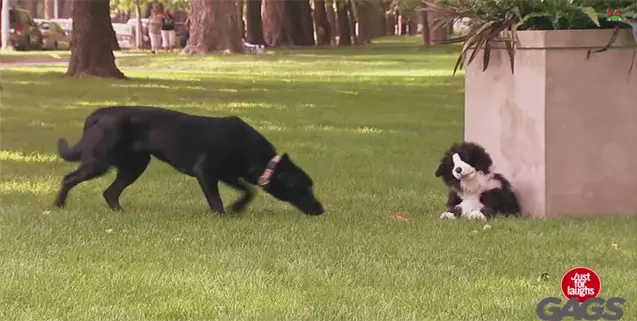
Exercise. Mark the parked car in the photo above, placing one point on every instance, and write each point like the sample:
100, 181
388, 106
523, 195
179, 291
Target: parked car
66, 24
24, 33
145, 39
53, 36
125, 36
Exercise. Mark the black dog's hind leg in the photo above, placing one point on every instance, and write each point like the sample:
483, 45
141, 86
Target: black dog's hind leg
129, 168
246, 198
85, 172
209, 186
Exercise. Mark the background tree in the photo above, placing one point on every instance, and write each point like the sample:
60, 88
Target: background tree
367, 14
322, 24
254, 24
66, 8
426, 32
342, 17
331, 18
240, 5
214, 26
277, 28
300, 14
91, 49
49, 12
351, 12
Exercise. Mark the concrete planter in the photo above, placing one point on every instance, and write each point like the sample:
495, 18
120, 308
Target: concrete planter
562, 128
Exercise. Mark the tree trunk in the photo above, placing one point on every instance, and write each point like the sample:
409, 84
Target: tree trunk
276, 24
91, 49
254, 24
353, 21
345, 37
300, 14
363, 17
426, 31
240, 13
331, 18
323, 30
215, 26
66, 10
412, 27
437, 34
49, 12
390, 24
402, 25
139, 34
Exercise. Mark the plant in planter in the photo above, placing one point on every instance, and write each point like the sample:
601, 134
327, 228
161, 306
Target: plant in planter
557, 115
491, 18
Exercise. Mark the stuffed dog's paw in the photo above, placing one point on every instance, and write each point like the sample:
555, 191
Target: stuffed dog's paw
447, 216
475, 215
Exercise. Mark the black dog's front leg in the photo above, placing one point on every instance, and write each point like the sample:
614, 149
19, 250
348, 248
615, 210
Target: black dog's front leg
210, 189
244, 200
209, 186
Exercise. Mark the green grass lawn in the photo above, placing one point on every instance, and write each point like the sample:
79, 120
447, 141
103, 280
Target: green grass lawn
368, 124
12, 56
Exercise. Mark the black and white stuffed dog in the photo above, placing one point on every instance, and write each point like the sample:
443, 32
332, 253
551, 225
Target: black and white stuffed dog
475, 192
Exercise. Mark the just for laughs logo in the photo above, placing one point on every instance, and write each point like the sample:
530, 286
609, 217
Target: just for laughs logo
581, 286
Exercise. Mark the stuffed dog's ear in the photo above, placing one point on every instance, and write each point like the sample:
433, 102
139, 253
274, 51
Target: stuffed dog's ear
440, 170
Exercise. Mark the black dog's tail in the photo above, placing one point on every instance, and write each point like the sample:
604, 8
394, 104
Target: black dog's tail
69, 154
74, 154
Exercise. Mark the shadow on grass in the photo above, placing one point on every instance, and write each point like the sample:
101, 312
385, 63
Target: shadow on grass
41, 106
233, 95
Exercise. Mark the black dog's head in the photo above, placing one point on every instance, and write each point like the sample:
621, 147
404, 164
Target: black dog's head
288, 182
461, 161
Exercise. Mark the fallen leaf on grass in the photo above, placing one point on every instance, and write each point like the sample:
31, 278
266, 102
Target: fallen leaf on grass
46, 212
543, 277
400, 217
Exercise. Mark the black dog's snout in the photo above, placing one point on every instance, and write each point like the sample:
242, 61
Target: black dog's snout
458, 170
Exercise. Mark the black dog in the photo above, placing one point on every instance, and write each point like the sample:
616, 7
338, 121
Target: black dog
210, 149
474, 191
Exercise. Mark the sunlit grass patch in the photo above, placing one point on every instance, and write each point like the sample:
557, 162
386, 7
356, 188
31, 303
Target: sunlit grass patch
17, 156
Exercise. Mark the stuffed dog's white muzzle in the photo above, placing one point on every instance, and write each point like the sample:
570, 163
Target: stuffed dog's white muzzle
460, 168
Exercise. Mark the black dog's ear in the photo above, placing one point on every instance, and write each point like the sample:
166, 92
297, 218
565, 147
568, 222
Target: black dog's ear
440, 170
285, 158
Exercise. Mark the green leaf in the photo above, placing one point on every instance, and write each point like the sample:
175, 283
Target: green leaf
591, 13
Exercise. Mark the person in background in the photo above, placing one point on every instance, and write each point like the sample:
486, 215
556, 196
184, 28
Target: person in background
155, 23
168, 31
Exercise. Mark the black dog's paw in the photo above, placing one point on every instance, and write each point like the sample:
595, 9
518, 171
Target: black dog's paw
233, 209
